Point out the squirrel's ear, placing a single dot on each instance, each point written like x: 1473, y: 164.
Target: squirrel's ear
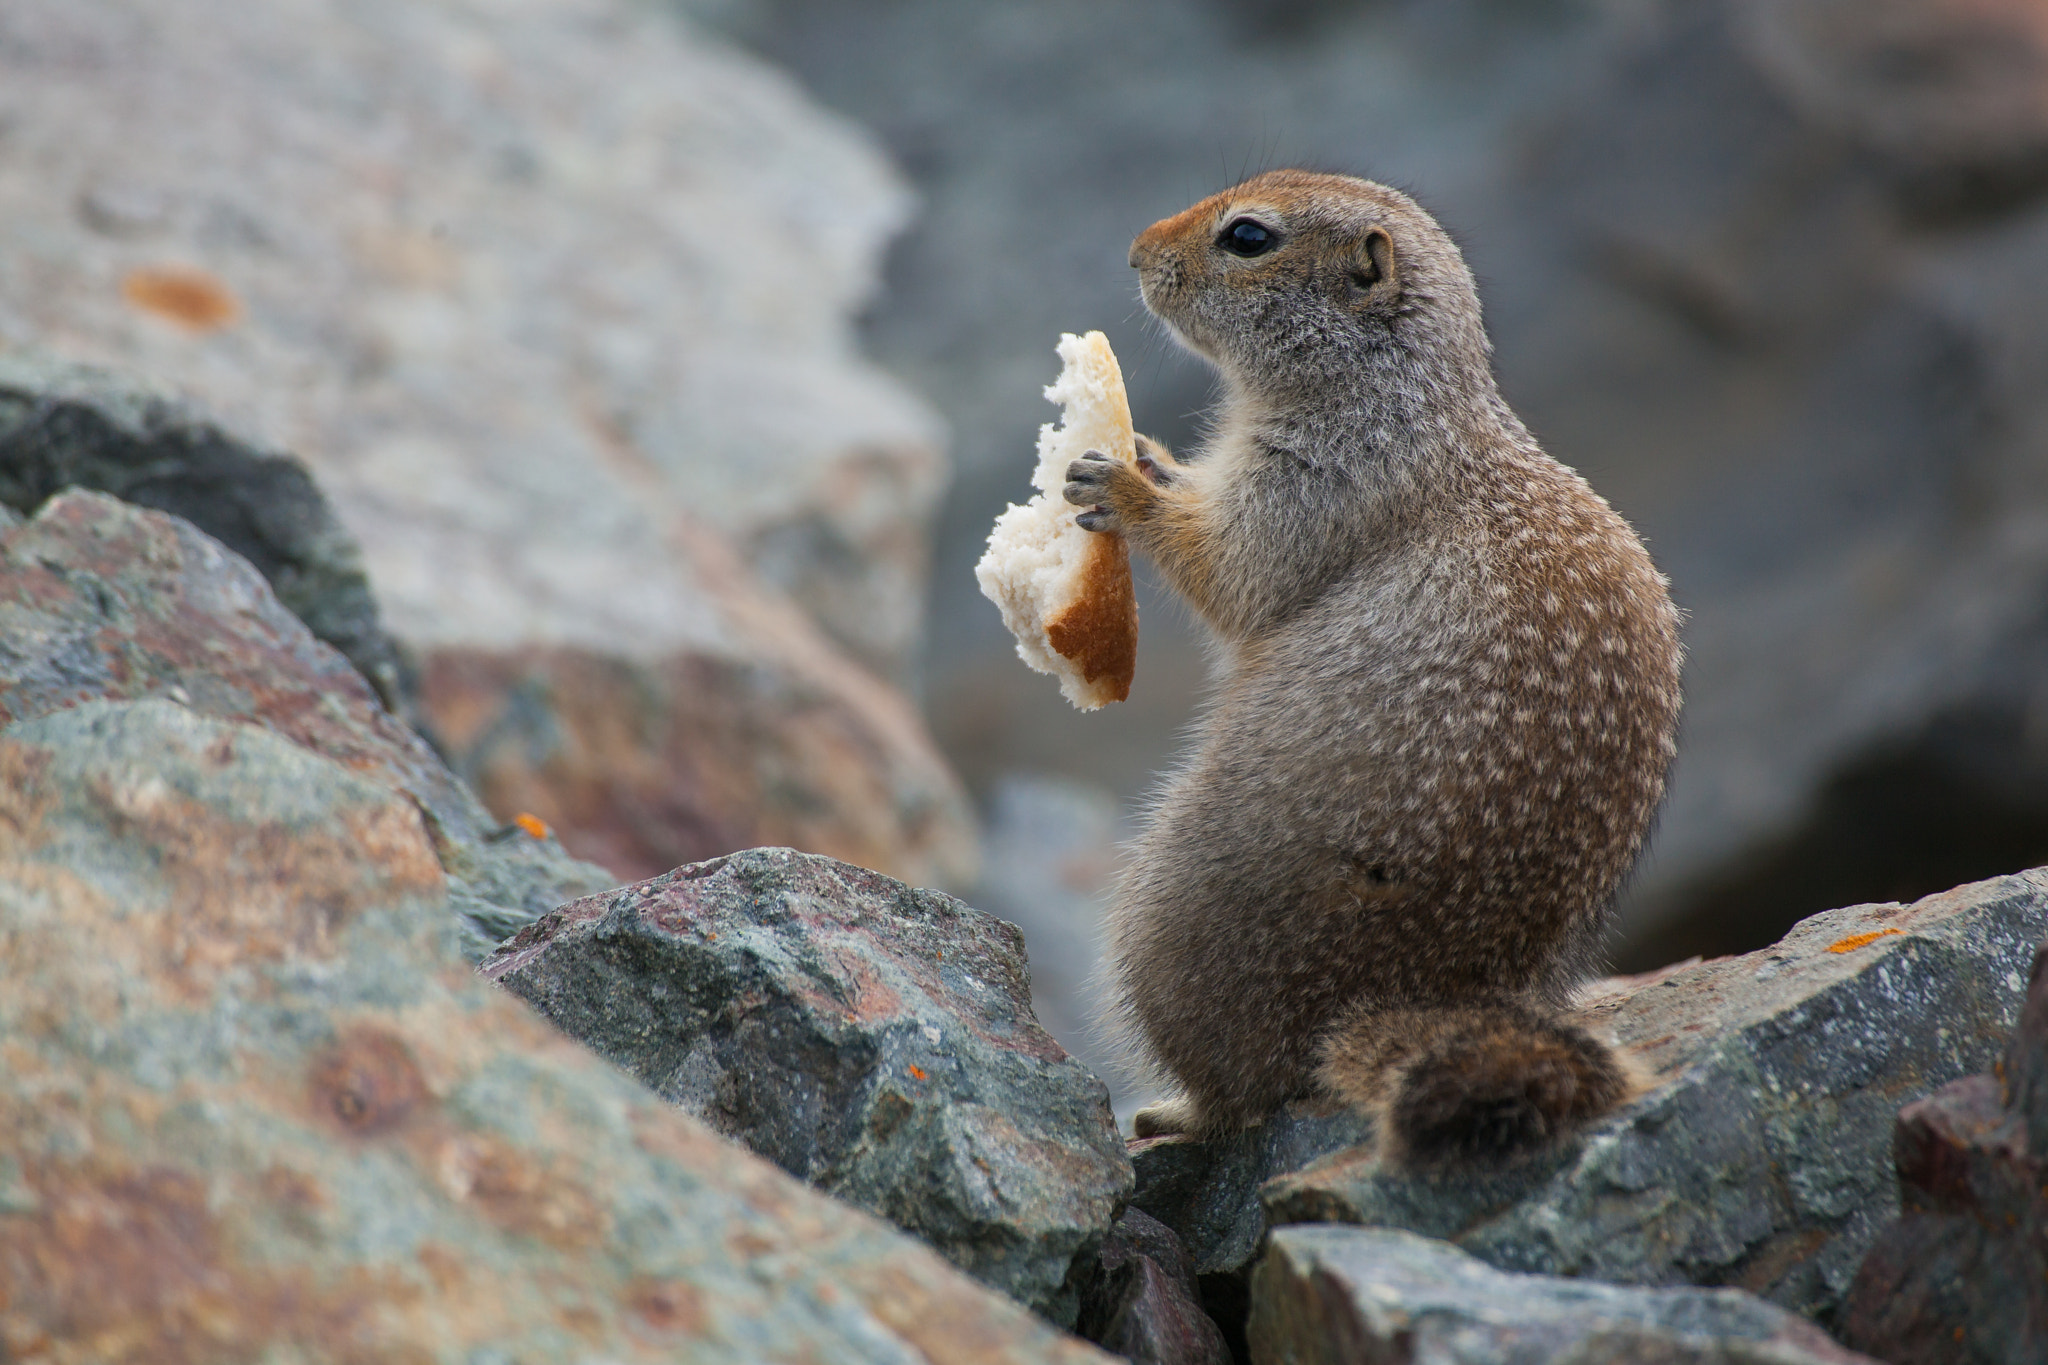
x: 1372, y: 267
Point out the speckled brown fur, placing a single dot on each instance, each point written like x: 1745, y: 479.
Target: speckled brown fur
x: 1447, y: 692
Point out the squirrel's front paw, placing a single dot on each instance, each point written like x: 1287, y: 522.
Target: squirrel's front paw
x: 1105, y: 487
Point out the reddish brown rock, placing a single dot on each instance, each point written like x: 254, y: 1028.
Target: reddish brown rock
x: 646, y: 765
x: 1145, y: 1304
x: 1962, y: 1277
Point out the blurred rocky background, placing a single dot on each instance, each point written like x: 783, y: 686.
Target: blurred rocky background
x: 630, y: 340
x: 1772, y: 273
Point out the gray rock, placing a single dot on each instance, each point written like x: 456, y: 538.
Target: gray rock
x: 64, y: 426
x: 556, y: 304
x: 1962, y: 1277
x: 103, y: 600
x: 1757, y: 1158
x: 871, y: 1038
x: 1144, y: 1303
x: 257, y: 1106
x: 1339, y: 1295
x: 1209, y: 1192
x: 524, y: 289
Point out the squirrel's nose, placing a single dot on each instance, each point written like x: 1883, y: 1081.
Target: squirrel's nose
x: 1139, y: 254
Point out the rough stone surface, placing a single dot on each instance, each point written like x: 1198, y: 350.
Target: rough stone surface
x: 874, y: 1039
x: 1962, y: 1277
x: 1757, y: 1156
x: 643, y: 765
x: 1143, y: 1302
x: 1340, y: 1295
x: 1209, y: 1192
x: 101, y: 599
x: 1758, y: 1159
x: 522, y: 282
x: 72, y: 426
x: 255, y: 1104
x: 554, y: 299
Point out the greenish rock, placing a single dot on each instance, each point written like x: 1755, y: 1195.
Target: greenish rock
x: 74, y: 426
x: 1759, y: 1156
x: 256, y: 1104
x: 872, y: 1038
x: 1332, y: 1296
x: 100, y: 599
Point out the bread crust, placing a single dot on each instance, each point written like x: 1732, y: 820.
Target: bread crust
x: 1098, y: 631
x: 1065, y: 593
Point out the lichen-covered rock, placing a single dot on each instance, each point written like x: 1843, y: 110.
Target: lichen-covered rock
x: 103, y: 600
x: 1758, y: 1156
x: 875, y: 1039
x: 1962, y: 1277
x: 1332, y: 1296
x: 64, y: 426
x: 1143, y: 1302
x: 256, y: 1105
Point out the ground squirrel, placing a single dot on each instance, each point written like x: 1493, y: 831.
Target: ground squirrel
x: 1445, y: 705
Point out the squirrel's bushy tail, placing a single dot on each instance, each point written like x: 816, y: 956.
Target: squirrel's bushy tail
x: 1471, y: 1083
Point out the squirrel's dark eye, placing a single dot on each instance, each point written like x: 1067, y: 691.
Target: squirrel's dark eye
x: 1246, y: 238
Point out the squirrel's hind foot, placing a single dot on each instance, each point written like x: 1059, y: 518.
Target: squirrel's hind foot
x: 1166, y: 1118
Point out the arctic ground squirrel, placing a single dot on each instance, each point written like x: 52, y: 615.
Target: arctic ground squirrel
x: 1448, y: 685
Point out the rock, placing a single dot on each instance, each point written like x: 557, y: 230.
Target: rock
x: 102, y: 600
x: 1959, y: 1277
x: 1349, y: 1294
x: 507, y: 282
x: 257, y: 1105
x: 1144, y: 1304
x: 1756, y: 1157
x: 67, y: 426
x: 1797, y: 345
x: 873, y: 1039
x: 463, y: 265
x: 1945, y: 96
x: 646, y: 764
x: 1209, y: 1192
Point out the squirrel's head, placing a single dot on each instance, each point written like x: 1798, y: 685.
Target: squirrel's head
x: 1298, y: 279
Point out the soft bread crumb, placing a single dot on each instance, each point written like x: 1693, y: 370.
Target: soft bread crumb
x: 1065, y: 593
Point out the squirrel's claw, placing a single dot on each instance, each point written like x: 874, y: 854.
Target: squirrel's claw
x: 1096, y: 519
x: 1086, y: 479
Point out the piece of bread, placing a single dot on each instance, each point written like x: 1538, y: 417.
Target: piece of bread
x: 1066, y: 593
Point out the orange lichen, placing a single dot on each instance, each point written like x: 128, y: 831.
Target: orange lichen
x: 532, y: 824
x: 190, y: 298
x: 1855, y: 941
x: 918, y: 1072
